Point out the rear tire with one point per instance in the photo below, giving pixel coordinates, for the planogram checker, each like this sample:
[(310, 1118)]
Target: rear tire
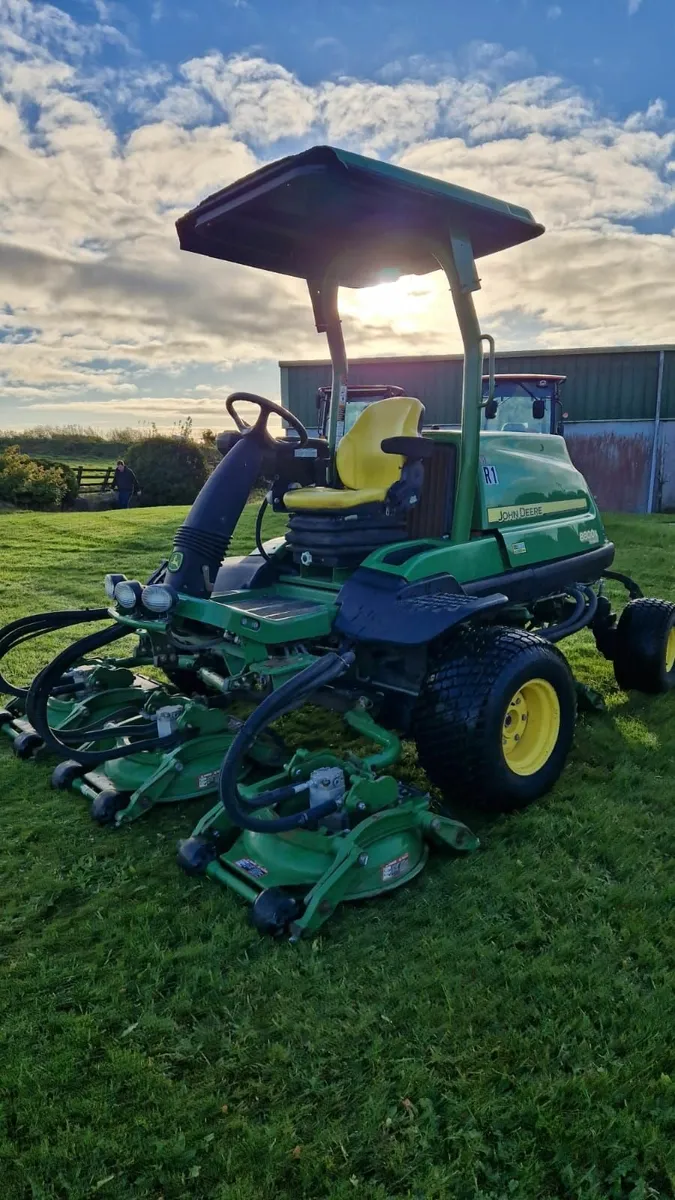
[(644, 648), (495, 718)]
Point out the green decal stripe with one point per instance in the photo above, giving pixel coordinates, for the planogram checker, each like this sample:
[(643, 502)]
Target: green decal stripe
[(522, 512)]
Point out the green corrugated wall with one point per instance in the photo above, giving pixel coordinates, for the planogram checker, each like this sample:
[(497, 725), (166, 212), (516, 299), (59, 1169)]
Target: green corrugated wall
[(602, 385)]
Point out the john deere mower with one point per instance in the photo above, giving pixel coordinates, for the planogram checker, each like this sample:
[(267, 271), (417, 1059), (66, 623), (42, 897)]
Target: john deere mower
[(421, 590)]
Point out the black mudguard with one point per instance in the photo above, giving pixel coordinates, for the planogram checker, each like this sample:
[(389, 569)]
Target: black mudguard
[(374, 606)]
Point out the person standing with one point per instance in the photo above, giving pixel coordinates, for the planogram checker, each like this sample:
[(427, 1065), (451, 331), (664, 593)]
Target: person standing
[(125, 483)]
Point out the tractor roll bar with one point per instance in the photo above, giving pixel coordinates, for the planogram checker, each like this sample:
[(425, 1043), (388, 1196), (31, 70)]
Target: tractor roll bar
[(457, 261)]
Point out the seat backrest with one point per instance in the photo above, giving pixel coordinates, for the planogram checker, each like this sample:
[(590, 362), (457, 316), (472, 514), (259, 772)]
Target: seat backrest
[(360, 459)]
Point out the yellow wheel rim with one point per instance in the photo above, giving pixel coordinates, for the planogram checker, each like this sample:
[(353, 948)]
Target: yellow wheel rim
[(670, 650), (531, 727)]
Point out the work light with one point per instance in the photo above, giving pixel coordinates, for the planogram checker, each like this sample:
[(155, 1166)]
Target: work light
[(158, 597), (128, 593), (110, 583)]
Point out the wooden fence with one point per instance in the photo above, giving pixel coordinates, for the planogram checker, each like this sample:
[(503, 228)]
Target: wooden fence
[(94, 479)]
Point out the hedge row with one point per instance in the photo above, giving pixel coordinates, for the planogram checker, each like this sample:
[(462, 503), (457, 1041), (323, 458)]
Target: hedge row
[(30, 484), (169, 470)]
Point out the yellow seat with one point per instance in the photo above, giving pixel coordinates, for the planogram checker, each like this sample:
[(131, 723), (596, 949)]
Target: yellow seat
[(366, 472)]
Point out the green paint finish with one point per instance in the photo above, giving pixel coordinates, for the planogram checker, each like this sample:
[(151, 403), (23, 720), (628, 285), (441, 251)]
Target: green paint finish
[(384, 845), (143, 624), (531, 506), (94, 708), (542, 542), (360, 720), (276, 670), (232, 881), (268, 615), (529, 472), (189, 771), (381, 852), (110, 691), (478, 559)]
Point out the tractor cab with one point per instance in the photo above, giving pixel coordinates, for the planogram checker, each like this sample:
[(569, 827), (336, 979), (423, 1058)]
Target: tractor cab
[(523, 404)]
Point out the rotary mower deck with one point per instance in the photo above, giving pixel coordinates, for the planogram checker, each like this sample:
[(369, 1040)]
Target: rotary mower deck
[(421, 590)]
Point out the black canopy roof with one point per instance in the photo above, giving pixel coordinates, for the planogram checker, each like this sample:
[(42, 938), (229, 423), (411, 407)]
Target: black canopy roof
[(325, 206)]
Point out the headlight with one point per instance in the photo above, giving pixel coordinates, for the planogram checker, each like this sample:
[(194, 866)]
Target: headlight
[(110, 583), (158, 597), (128, 593)]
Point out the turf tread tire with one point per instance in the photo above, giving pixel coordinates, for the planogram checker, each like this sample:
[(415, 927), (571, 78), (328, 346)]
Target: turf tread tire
[(639, 647), (457, 721)]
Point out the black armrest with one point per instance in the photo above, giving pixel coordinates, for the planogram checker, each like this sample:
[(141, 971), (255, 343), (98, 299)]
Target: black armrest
[(414, 448)]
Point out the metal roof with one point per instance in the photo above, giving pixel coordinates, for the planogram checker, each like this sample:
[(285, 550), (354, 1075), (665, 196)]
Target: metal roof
[(360, 217), (443, 358)]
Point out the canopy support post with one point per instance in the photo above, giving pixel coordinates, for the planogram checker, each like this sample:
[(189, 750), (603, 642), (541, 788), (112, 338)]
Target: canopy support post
[(324, 296), (459, 265)]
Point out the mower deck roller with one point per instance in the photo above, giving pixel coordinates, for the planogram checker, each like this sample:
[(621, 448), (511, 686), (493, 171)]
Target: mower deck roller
[(425, 583)]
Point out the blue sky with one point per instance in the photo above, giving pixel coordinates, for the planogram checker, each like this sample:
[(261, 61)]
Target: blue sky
[(116, 117)]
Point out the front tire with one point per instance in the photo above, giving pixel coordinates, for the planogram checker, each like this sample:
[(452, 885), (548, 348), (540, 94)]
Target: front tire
[(495, 718), (644, 647)]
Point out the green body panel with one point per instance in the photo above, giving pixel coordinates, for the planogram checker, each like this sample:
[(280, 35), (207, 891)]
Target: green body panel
[(300, 860), (189, 771), (305, 613), (531, 506), (523, 477), (97, 707)]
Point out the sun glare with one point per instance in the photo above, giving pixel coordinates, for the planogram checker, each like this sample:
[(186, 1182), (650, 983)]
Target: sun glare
[(405, 304)]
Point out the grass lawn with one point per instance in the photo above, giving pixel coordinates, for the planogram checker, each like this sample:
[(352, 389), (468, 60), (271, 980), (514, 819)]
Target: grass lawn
[(504, 1027)]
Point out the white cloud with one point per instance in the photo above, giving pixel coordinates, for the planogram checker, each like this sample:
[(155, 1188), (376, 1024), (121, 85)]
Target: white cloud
[(554, 12), (102, 314), (261, 101), (633, 6)]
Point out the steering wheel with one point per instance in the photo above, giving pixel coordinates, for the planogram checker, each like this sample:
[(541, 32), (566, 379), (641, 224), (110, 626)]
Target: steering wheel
[(266, 408)]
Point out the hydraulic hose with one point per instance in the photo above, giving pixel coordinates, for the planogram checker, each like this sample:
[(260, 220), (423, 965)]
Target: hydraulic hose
[(25, 628), (585, 609), (286, 698), (258, 532), (40, 690)]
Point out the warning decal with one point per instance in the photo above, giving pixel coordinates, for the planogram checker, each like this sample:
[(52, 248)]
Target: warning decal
[(395, 868), (256, 870)]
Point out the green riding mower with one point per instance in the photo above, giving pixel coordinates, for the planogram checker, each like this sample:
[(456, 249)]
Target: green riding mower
[(422, 588)]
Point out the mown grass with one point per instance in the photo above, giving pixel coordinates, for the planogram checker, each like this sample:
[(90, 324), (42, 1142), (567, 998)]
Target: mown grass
[(503, 1027)]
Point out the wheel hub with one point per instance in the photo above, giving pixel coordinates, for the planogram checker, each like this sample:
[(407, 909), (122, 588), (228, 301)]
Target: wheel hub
[(670, 650), (531, 727)]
